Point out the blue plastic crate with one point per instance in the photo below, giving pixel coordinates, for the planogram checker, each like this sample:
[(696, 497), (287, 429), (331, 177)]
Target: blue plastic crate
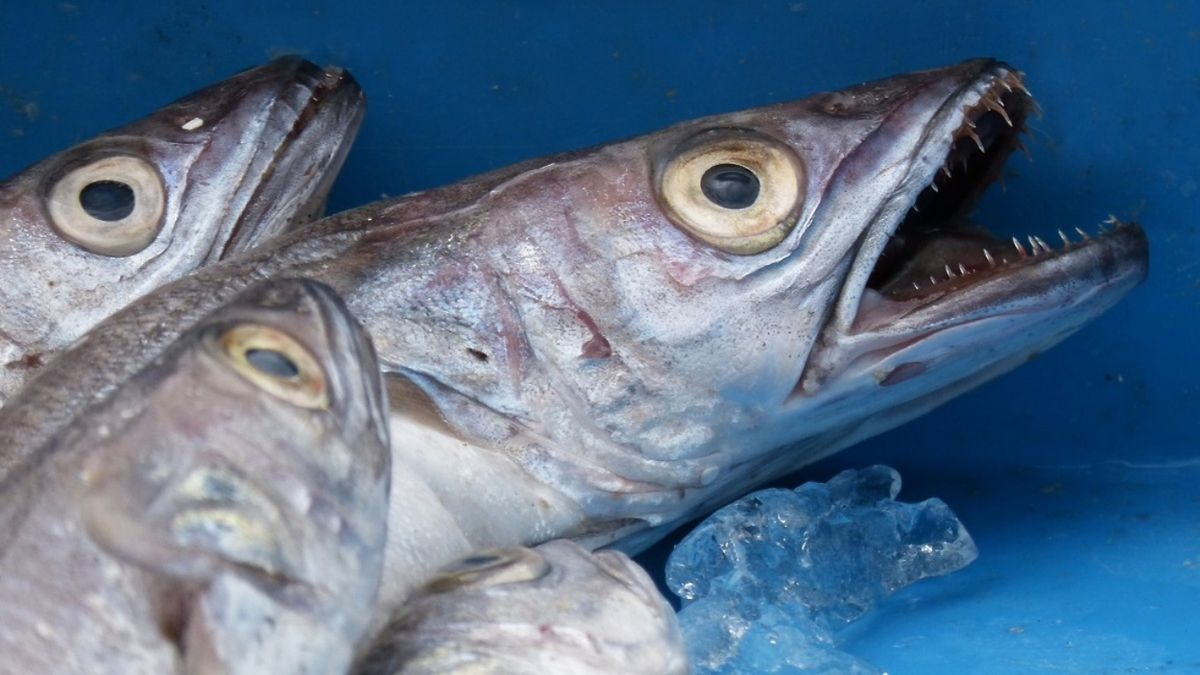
[(1078, 474)]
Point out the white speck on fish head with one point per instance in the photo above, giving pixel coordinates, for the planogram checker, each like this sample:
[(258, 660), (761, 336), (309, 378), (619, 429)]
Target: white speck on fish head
[(192, 124), (111, 572)]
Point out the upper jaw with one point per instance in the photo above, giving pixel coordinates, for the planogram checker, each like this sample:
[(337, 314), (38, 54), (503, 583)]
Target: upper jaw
[(311, 128)]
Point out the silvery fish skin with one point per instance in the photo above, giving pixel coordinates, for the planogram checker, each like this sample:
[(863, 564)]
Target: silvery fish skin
[(223, 511), (589, 346), (87, 230), (556, 608)]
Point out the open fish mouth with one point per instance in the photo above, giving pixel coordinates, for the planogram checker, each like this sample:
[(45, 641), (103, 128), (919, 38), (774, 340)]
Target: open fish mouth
[(933, 250), (933, 269)]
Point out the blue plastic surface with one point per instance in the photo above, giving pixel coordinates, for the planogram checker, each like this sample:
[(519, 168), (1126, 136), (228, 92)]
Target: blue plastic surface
[(1078, 475)]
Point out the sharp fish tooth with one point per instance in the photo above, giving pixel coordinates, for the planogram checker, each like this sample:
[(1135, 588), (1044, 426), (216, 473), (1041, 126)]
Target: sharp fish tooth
[(962, 270), (1032, 244), (1063, 236), (997, 106), (991, 261), (1041, 242), (1012, 80), (978, 142), (1019, 247), (950, 273), (1082, 234)]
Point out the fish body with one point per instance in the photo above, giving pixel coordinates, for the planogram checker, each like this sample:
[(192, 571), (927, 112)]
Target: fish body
[(557, 608), (223, 511), (603, 344), (87, 230)]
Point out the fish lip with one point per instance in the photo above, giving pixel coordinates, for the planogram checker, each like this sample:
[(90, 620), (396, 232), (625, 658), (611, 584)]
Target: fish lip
[(311, 140), (1116, 258)]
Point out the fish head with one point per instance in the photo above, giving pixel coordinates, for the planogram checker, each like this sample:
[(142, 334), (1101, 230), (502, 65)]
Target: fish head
[(89, 229), (554, 608), (655, 326), (245, 472)]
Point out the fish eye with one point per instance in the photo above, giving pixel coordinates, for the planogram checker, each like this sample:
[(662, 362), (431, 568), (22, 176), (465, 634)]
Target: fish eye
[(493, 567), (276, 363), (736, 189), (112, 206)]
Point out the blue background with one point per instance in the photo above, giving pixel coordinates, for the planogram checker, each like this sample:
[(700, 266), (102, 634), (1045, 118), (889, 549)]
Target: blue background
[(1078, 474)]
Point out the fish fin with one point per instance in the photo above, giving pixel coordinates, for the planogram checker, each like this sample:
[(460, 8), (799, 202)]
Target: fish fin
[(408, 399)]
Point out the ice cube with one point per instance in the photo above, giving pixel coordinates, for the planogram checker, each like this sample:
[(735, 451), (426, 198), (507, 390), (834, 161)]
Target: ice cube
[(767, 580)]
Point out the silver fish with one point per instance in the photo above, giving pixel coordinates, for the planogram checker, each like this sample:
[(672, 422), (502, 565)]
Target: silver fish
[(605, 343), (87, 230), (223, 511), (518, 611)]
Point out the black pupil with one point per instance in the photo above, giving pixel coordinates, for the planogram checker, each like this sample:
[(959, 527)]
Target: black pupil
[(107, 200), (272, 363), (730, 186), (479, 560)]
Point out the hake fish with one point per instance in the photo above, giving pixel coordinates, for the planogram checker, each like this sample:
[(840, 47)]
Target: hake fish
[(223, 511), (603, 344), (87, 230), (556, 609)]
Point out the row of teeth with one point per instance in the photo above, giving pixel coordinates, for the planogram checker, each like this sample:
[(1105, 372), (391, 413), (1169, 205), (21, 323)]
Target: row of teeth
[(1036, 244), (991, 100)]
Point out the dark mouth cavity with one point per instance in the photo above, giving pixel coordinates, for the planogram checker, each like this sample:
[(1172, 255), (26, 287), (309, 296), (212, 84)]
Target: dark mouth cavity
[(935, 249)]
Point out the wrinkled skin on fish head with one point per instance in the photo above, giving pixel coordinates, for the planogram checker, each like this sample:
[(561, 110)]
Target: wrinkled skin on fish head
[(556, 608), (89, 229), (223, 511), (654, 326)]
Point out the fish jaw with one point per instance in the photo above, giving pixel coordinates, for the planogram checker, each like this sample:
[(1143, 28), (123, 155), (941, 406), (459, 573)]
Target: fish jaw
[(227, 166), (899, 360), (933, 305), (312, 129)]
